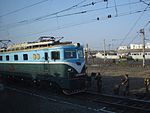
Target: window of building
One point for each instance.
(25, 56)
(55, 55)
(46, 55)
(15, 57)
(7, 57)
(1, 58)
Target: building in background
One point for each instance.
(135, 51)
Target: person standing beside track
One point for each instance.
(116, 89)
(125, 82)
(146, 83)
(1, 84)
(99, 82)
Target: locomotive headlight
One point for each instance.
(69, 70)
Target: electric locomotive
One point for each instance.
(49, 61)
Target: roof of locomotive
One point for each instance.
(43, 42)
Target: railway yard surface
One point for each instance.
(25, 99)
(18, 101)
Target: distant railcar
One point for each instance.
(47, 61)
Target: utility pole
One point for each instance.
(109, 46)
(104, 50)
(86, 54)
(143, 41)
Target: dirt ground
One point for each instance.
(107, 68)
(112, 72)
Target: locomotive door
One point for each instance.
(46, 62)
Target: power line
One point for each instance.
(138, 32)
(144, 2)
(56, 13)
(142, 13)
(116, 8)
(17, 10)
(83, 12)
(87, 22)
(41, 17)
(147, 24)
(133, 38)
(89, 4)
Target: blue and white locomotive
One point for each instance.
(47, 61)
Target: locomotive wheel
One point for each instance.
(66, 92)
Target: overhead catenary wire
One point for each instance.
(90, 4)
(147, 24)
(140, 16)
(55, 13)
(97, 19)
(133, 39)
(144, 2)
(41, 17)
(25, 22)
(17, 10)
(116, 8)
(58, 12)
(130, 5)
(136, 36)
(90, 21)
(138, 33)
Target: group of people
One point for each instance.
(98, 78)
(123, 84)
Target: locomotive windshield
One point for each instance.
(80, 54)
(70, 54)
(73, 53)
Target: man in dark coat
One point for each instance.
(99, 82)
(125, 82)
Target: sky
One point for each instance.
(118, 22)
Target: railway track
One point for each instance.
(125, 103)
(88, 100)
(57, 98)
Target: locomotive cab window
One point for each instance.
(55, 55)
(70, 54)
(1, 58)
(25, 56)
(7, 57)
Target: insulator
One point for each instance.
(109, 16)
(97, 18)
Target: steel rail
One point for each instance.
(35, 94)
(123, 102)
